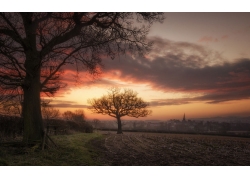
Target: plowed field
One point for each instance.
(142, 149)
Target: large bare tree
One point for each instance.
(118, 104)
(34, 47)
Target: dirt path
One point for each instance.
(172, 149)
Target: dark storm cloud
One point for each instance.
(176, 67)
(167, 102)
(185, 67)
(210, 98)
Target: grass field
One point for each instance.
(72, 150)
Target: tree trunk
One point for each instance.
(119, 122)
(33, 124)
(32, 116)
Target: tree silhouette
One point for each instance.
(77, 115)
(48, 112)
(118, 104)
(34, 47)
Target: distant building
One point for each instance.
(184, 118)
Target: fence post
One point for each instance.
(44, 136)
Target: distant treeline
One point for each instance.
(12, 127)
(182, 126)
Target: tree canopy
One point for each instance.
(49, 41)
(119, 103)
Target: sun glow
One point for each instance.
(195, 109)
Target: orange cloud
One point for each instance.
(210, 39)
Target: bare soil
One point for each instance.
(153, 149)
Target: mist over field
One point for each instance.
(216, 125)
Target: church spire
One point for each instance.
(184, 118)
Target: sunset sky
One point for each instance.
(199, 65)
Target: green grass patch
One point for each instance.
(72, 150)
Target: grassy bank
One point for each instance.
(72, 150)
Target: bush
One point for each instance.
(10, 126)
(56, 126)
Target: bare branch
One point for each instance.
(118, 104)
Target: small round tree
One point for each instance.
(119, 103)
